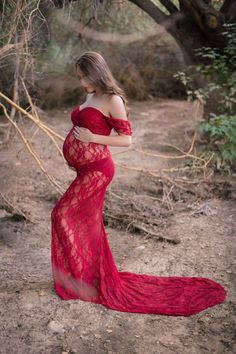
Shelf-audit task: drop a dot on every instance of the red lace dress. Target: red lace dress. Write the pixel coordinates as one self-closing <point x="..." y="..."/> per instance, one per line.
<point x="82" y="263"/>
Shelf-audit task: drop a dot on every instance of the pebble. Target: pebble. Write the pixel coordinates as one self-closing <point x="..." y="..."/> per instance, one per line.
<point x="56" y="327"/>
<point x="140" y="247"/>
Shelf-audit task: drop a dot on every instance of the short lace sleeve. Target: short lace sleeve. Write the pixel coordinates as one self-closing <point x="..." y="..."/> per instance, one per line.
<point x="122" y="126"/>
<point x="74" y="116"/>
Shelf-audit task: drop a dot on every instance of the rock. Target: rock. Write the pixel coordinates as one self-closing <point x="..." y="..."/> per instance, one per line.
<point x="56" y="327"/>
<point x="140" y="247"/>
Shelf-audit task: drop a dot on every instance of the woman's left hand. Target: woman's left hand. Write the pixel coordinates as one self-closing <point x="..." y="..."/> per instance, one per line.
<point x="83" y="134"/>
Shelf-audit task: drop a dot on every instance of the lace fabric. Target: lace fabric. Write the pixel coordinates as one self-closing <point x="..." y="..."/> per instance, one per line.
<point x="120" y="125"/>
<point x="82" y="263"/>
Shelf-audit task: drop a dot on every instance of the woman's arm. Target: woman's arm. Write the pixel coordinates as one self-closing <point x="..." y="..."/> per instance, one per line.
<point x="116" y="140"/>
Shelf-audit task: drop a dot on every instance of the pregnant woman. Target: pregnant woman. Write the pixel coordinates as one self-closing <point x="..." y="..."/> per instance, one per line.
<point x="82" y="263"/>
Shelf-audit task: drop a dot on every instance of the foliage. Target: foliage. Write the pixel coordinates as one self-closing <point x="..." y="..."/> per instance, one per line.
<point x="219" y="82"/>
<point x="221" y="136"/>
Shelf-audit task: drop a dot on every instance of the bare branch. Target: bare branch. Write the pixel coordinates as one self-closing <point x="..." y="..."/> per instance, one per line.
<point x="30" y="116"/>
<point x="204" y="14"/>
<point x="8" y="47"/>
<point x="88" y="32"/>
<point x="31" y="151"/>
<point x="151" y="9"/>
<point x="169" y="6"/>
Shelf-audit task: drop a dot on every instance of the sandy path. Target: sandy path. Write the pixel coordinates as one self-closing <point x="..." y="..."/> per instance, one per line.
<point x="35" y="320"/>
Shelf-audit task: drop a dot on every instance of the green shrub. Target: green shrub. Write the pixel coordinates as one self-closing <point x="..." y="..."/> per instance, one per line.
<point x="218" y="73"/>
<point x="220" y="132"/>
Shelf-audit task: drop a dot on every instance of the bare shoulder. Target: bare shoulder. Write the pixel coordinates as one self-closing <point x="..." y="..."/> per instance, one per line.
<point x="117" y="107"/>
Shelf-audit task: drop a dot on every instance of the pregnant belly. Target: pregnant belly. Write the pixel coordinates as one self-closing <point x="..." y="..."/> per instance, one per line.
<point x="78" y="153"/>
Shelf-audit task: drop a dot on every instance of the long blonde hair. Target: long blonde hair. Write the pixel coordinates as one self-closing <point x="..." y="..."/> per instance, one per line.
<point x="96" y="70"/>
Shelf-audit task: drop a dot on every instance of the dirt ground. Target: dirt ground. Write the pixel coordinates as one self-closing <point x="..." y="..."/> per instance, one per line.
<point x="35" y="320"/>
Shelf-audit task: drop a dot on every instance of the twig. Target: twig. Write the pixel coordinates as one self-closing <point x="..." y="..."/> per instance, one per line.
<point x="183" y="156"/>
<point x="122" y="152"/>
<point x="149" y="172"/>
<point x="30" y="116"/>
<point x="14" y="210"/>
<point x="29" y="147"/>
<point x="156" y="236"/>
<point x="38" y="120"/>
<point x="115" y="195"/>
<point x="166" y="198"/>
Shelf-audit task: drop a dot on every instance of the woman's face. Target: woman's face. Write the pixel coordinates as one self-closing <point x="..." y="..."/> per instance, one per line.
<point x="84" y="82"/>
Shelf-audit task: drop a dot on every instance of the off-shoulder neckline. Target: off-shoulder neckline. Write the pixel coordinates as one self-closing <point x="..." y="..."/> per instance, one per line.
<point x="97" y="110"/>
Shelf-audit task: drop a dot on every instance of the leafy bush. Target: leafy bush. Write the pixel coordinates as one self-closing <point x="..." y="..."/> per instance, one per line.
<point x="219" y="84"/>
<point x="220" y="132"/>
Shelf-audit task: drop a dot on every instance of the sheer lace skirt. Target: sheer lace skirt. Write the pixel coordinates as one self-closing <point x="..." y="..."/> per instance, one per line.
<point x="77" y="232"/>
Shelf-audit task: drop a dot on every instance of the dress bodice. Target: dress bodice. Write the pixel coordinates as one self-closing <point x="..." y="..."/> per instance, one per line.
<point x="93" y="119"/>
<point x="77" y="152"/>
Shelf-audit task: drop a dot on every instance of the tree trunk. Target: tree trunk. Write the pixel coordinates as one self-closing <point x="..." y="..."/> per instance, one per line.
<point x="197" y="23"/>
